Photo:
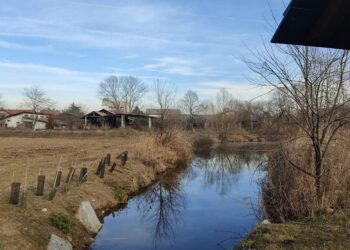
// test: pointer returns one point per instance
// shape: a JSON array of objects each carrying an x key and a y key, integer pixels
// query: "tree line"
[{"x": 125, "y": 93}]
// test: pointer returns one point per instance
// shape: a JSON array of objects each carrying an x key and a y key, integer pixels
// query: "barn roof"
[
  {"x": 320, "y": 23},
  {"x": 106, "y": 113},
  {"x": 16, "y": 111}
]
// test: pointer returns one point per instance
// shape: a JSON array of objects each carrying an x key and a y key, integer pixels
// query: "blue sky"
[{"x": 68, "y": 46}]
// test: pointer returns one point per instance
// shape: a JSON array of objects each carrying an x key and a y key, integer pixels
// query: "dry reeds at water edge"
[
  {"x": 170, "y": 147},
  {"x": 289, "y": 193}
]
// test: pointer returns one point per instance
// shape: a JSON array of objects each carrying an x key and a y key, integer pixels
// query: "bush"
[
  {"x": 203, "y": 143},
  {"x": 61, "y": 221},
  {"x": 120, "y": 195},
  {"x": 170, "y": 147}
]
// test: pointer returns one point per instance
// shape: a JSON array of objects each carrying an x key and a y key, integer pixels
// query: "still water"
[{"x": 211, "y": 204}]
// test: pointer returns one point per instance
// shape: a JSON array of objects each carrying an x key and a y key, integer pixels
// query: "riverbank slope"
[{"x": 23, "y": 156}]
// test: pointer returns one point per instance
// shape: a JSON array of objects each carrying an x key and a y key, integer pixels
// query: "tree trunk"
[{"x": 318, "y": 162}]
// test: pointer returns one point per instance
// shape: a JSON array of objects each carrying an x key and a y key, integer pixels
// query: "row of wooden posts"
[{"x": 100, "y": 171}]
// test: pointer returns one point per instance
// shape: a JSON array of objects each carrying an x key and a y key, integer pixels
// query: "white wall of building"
[{"x": 18, "y": 121}]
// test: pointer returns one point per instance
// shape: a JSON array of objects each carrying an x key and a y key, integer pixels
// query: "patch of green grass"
[
  {"x": 61, "y": 221},
  {"x": 121, "y": 195},
  {"x": 321, "y": 233},
  {"x": 52, "y": 194}
]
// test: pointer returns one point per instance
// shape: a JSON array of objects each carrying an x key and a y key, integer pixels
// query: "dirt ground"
[{"x": 24, "y": 156}]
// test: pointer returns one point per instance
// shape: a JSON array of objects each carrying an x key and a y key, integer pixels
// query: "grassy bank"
[
  {"x": 22, "y": 156},
  {"x": 305, "y": 217},
  {"x": 322, "y": 233}
]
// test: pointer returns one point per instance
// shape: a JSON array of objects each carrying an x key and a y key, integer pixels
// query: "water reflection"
[
  {"x": 162, "y": 205},
  {"x": 193, "y": 208},
  {"x": 223, "y": 164}
]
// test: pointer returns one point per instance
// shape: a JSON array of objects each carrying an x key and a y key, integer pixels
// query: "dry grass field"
[{"x": 24, "y": 156}]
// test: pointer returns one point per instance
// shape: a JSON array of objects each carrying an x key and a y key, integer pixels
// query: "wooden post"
[
  {"x": 83, "y": 175},
  {"x": 102, "y": 173},
  {"x": 57, "y": 179},
  {"x": 99, "y": 167},
  {"x": 15, "y": 191},
  {"x": 124, "y": 158},
  {"x": 113, "y": 167},
  {"x": 108, "y": 159},
  {"x": 122, "y": 121},
  {"x": 70, "y": 175},
  {"x": 41, "y": 185},
  {"x": 149, "y": 122}
]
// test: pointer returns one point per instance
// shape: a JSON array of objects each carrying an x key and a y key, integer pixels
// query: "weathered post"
[
  {"x": 102, "y": 173},
  {"x": 113, "y": 167},
  {"x": 122, "y": 121},
  {"x": 15, "y": 191},
  {"x": 57, "y": 179},
  {"x": 41, "y": 185},
  {"x": 108, "y": 159},
  {"x": 124, "y": 158},
  {"x": 99, "y": 167},
  {"x": 83, "y": 175},
  {"x": 149, "y": 122}
]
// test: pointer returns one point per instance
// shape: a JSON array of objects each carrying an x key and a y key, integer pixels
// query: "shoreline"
[
  {"x": 30, "y": 227},
  {"x": 103, "y": 212}
]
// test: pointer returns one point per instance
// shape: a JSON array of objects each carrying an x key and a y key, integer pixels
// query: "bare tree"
[
  {"x": 165, "y": 97},
  {"x": 122, "y": 93},
  {"x": 316, "y": 84},
  {"x": 111, "y": 91},
  {"x": 191, "y": 105},
  {"x": 223, "y": 100},
  {"x": 133, "y": 90},
  {"x": 36, "y": 99},
  {"x": 207, "y": 108},
  {"x": 224, "y": 119}
]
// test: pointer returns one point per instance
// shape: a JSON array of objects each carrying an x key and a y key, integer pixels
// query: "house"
[
  {"x": 14, "y": 118},
  {"x": 8, "y": 112}
]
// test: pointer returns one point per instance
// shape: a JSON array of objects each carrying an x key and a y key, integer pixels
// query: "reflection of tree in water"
[
  {"x": 223, "y": 165},
  {"x": 162, "y": 206}
]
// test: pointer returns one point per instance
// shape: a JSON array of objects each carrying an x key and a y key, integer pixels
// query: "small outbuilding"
[{"x": 108, "y": 119}]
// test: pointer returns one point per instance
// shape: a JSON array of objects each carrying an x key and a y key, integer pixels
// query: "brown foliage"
[
  {"x": 289, "y": 193},
  {"x": 171, "y": 146}
]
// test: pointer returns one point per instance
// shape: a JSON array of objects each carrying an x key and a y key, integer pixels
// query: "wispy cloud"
[
  {"x": 173, "y": 65},
  {"x": 69, "y": 46},
  {"x": 242, "y": 90},
  {"x": 35, "y": 48}
]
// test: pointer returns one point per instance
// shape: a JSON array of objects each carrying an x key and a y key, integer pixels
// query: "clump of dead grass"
[
  {"x": 172, "y": 147},
  {"x": 290, "y": 194}
]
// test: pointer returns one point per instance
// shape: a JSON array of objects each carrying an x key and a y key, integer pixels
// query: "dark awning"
[{"x": 320, "y": 23}]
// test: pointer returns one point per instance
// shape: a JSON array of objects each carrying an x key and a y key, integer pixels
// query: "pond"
[{"x": 212, "y": 204}]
